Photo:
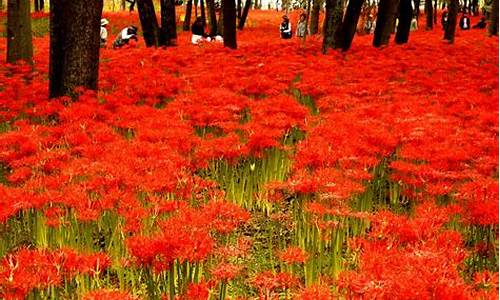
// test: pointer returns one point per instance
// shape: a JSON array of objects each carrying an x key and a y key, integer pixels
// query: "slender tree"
[
  {"x": 19, "y": 41},
  {"x": 229, "y": 21},
  {"x": 315, "y": 12},
  {"x": 404, "y": 24},
  {"x": 74, "y": 45},
  {"x": 435, "y": 14},
  {"x": 348, "y": 28},
  {"x": 244, "y": 14},
  {"x": 428, "y": 15},
  {"x": 238, "y": 9},
  {"x": 333, "y": 19},
  {"x": 449, "y": 32},
  {"x": 212, "y": 17},
  {"x": 168, "y": 32},
  {"x": 187, "y": 17},
  {"x": 385, "y": 22},
  {"x": 202, "y": 11},
  {"x": 149, "y": 22},
  {"x": 493, "y": 28}
]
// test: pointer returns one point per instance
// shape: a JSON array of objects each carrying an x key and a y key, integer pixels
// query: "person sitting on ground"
[
  {"x": 198, "y": 31},
  {"x": 464, "y": 22},
  {"x": 104, "y": 32},
  {"x": 481, "y": 24},
  {"x": 444, "y": 18},
  {"x": 127, "y": 34},
  {"x": 369, "y": 25},
  {"x": 286, "y": 28},
  {"x": 302, "y": 26}
]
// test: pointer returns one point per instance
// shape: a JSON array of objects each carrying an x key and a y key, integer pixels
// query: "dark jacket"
[{"x": 464, "y": 23}]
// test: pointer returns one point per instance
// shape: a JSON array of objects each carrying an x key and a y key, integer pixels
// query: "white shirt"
[
  {"x": 124, "y": 34},
  {"x": 104, "y": 33}
]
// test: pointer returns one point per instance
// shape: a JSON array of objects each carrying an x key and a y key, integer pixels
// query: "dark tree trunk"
[
  {"x": 168, "y": 30},
  {"x": 333, "y": 19},
  {"x": 229, "y": 21},
  {"x": 405, "y": 16},
  {"x": 385, "y": 20},
  {"x": 416, "y": 4},
  {"x": 149, "y": 23},
  {"x": 74, "y": 45},
  {"x": 41, "y": 5},
  {"x": 123, "y": 4},
  {"x": 308, "y": 13},
  {"x": 212, "y": 18},
  {"x": 429, "y": 21},
  {"x": 449, "y": 33},
  {"x": 132, "y": 5},
  {"x": 493, "y": 28},
  {"x": 19, "y": 41},
  {"x": 195, "y": 9},
  {"x": 434, "y": 15},
  {"x": 220, "y": 23},
  {"x": 316, "y": 8},
  {"x": 350, "y": 23},
  {"x": 202, "y": 11},
  {"x": 187, "y": 17},
  {"x": 238, "y": 9},
  {"x": 37, "y": 6},
  {"x": 244, "y": 15}
]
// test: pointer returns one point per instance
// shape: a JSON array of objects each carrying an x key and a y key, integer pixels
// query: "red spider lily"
[
  {"x": 293, "y": 255},
  {"x": 106, "y": 294},
  {"x": 225, "y": 272}
]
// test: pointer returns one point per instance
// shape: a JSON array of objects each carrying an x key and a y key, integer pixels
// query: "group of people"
[
  {"x": 130, "y": 33},
  {"x": 123, "y": 38},
  {"x": 286, "y": 27},
  {"x": 464, "y": 22}
]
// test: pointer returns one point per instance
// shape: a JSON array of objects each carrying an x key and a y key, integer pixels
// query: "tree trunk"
[
  {"x": 74, "y": 45},
  {"x": 238, "y": 9},
  {"x": 132, "y": 5},
  {"x": 220, "y": 23},
  {"x": 350, "y": 23},
  {"x": 168, "y": 32},
  {"x": 212, "y": 18},
  {"x": 385, "y": 20},
  {"x": 123, "y": 5},
  {"x": 37, "y": 7},
  {"x": 195, "y": 9},
  {"x": 41, "y": 5},
  {"x": 202, "y": 11},
  {"x": 316, "y": 8},
  {"x": 493, "y": 28},
  {"x": 229, "y": 21},
  {"x": 187, "y": 18},
  {"x": 333, "y": 19},
  {"x": 428, "y": 15},
  {"x": 435, "y": 14},
  {"x": 405, "y": 16},
  {"x": 149, "y": 23},
  {"x": 416, "y": 4},
  {"x": 308, "y": 13},
  {"x": 19, "y": 41},
  {"x": 244, "y": 14},
  {"x": 449, "y": 33}
]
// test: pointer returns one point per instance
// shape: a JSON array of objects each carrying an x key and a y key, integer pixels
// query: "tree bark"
[
  {"x": 385, "y": 20},
  {"x": 19, "y": 40},
  {"x": 244, "y": 14},
  {"x": 168, "y": 31},
  {"x": 428, "y": 15},
  {"x": 435, "y": 14},
  {"x": 449, "y": 33},
  {"x": 348, "y": 29},
  {"x": 229, "y": 20},
  {"x": 238, "y": 9},
  {"x": 37, "y": 7},
  {"x": 212, "y": 18},
  {"x": 187, "y": 18},
  {"x": 493, "y": 28},
  {"x": 405, "y": 16},
  {"x": 149, "y": 23},
  {"x": 123, "y": 5},
  {"x": 220, "y": 23},
  {"x": 202, "y": 11},
  {"x": 316, "y": 8},
  {"x": 74, "y": 45},
  {"x": 333, "y": 19},
  {"x": 416, "y": 4}
]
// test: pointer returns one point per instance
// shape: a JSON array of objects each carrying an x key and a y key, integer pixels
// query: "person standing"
[
  {"x": 464, "y": 22},
  {"x": 444, "y": 19},
  {"x": 286, "y": 28},
  {"x": 302, "y": 26}
]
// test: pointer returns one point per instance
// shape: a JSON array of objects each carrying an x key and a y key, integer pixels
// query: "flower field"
[{"x": 268, "y": 172}]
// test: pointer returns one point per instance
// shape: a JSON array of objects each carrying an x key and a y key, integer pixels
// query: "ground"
[{"x": 272, "y": 171}]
